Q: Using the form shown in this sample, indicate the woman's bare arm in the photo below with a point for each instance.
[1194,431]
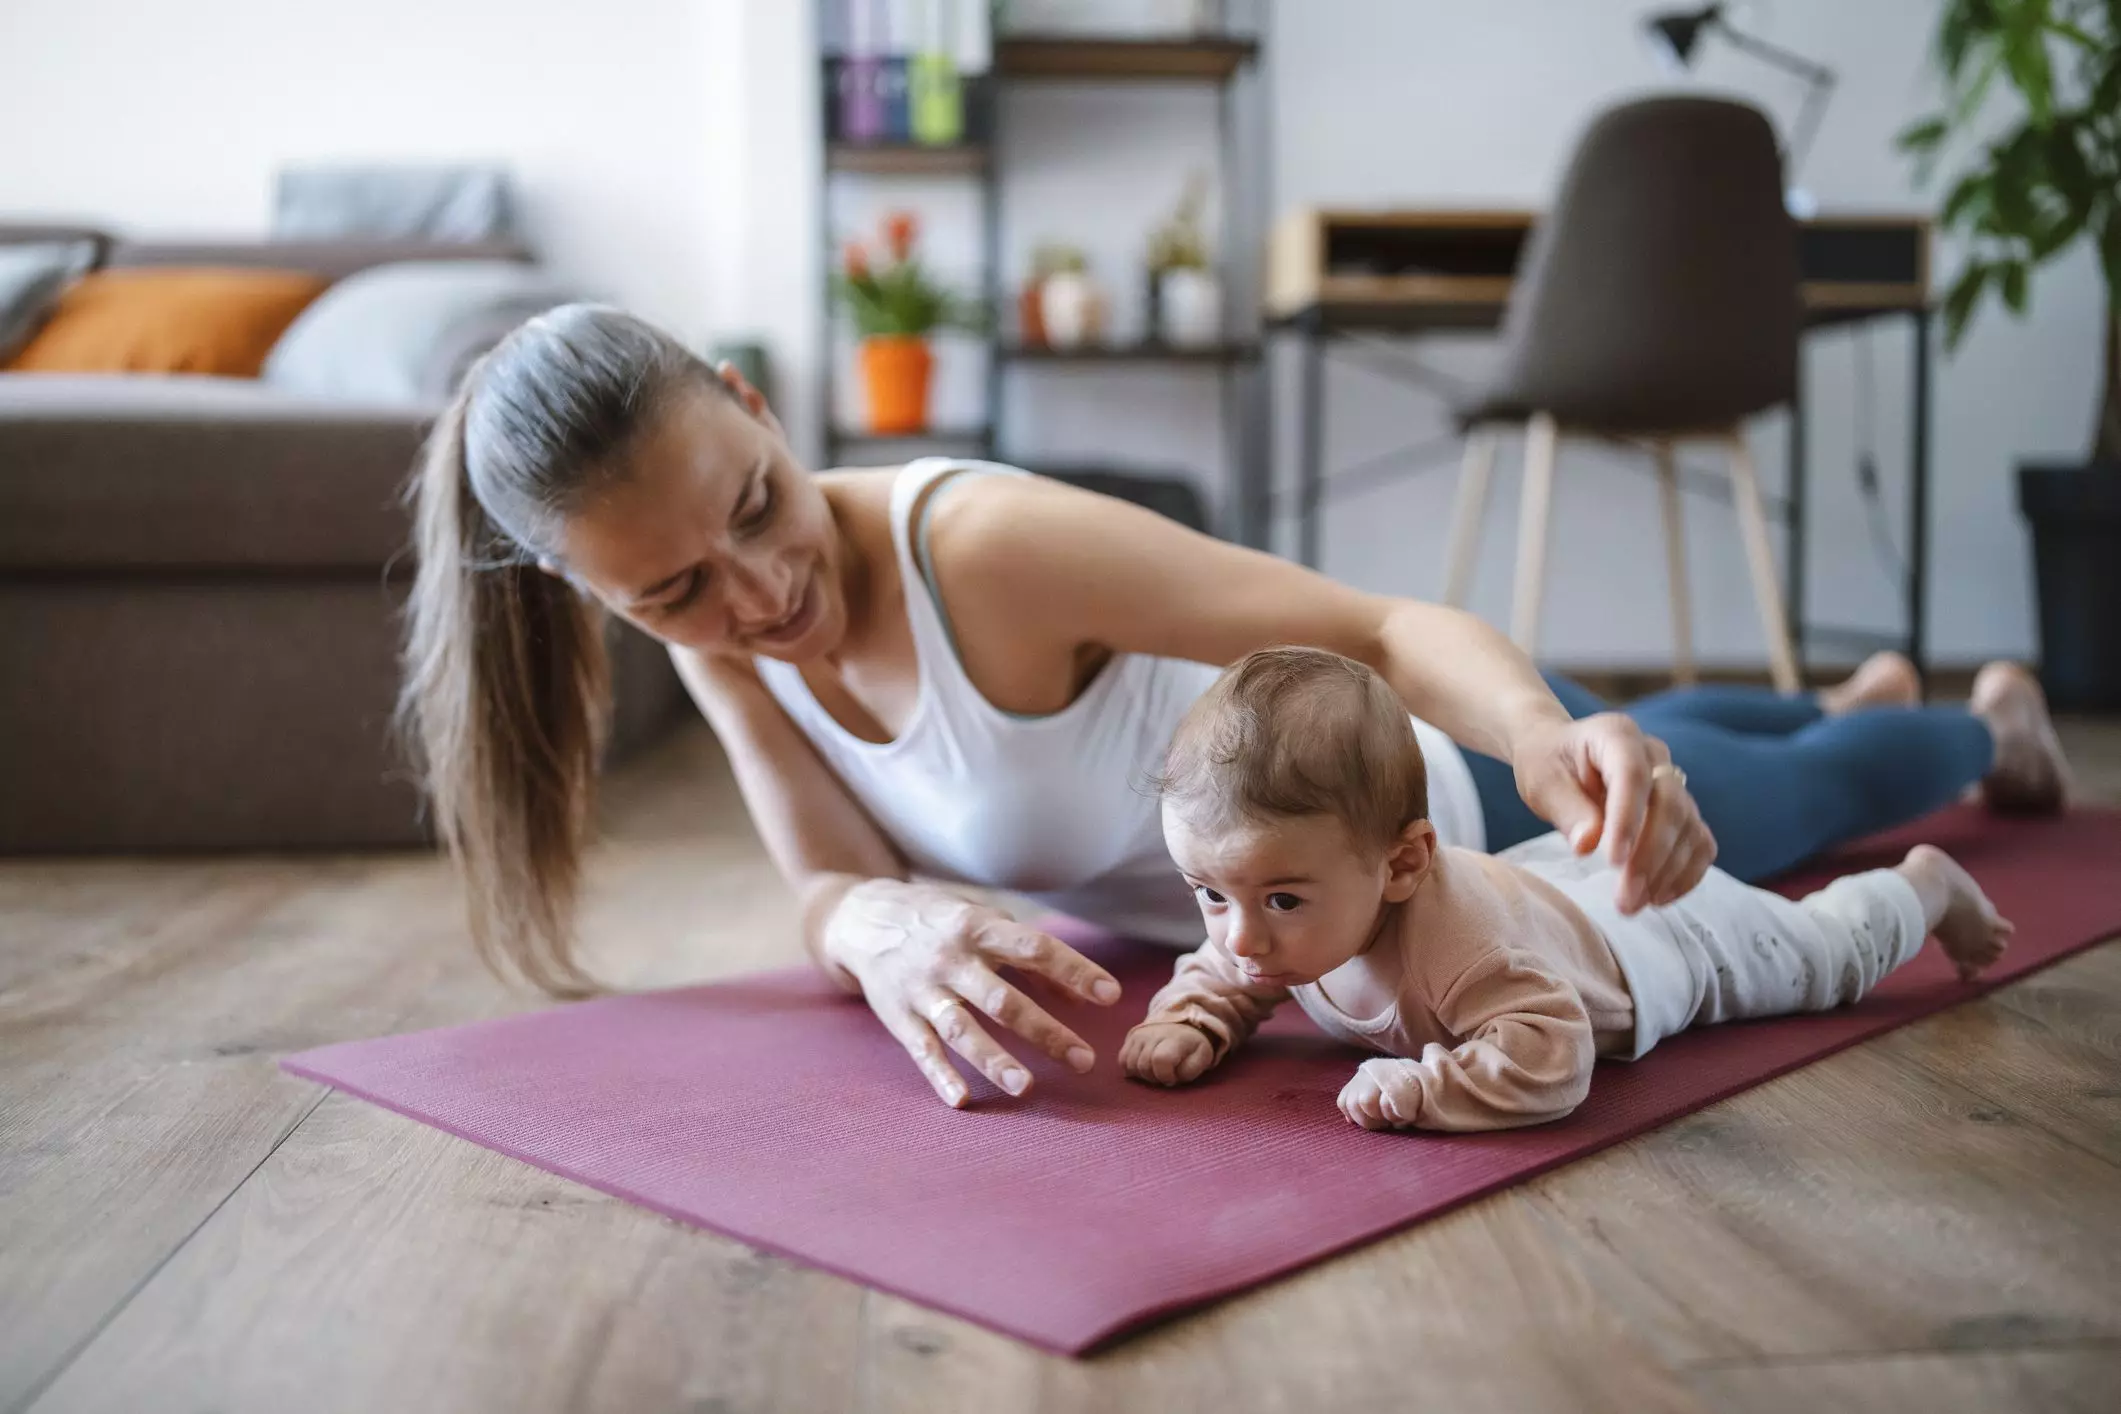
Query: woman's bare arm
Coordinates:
[1033,571]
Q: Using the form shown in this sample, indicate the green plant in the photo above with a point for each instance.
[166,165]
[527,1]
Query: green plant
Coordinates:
[898,296]
[1049,260]
[2046,181]
[1180,244]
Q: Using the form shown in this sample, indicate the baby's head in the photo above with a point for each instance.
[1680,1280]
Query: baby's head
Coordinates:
[1296,805]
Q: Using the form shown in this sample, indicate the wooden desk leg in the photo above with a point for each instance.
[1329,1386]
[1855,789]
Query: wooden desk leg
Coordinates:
[1539,452]
[1466,516]
[1752,523]
[1675,566]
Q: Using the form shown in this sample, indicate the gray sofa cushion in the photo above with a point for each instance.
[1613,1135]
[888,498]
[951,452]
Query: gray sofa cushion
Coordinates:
[32,277]
[397,202]
[406,332]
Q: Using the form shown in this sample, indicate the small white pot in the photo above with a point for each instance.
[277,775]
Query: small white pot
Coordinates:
[1072,309]
[1189,308]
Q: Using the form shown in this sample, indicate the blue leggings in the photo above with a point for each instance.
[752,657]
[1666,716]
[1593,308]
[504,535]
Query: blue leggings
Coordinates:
[1777,780]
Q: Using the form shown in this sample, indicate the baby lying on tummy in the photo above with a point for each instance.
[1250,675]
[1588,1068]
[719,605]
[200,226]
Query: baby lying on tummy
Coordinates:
[1294,802]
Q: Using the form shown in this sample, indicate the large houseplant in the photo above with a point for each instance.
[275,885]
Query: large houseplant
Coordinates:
[2026,191]
[896,306]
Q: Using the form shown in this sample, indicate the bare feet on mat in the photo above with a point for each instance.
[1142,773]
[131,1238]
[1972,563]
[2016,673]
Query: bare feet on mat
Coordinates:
[2030,775]
[1965,922]
[1884,680]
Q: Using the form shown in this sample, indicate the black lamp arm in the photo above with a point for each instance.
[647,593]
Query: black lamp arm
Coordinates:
[1818,76]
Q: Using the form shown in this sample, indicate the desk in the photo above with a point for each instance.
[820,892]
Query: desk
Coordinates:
[1338,273]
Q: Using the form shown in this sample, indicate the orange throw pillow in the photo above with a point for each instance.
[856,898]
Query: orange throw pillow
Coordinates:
[170,320]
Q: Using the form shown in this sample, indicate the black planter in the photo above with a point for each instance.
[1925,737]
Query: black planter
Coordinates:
[2075,514]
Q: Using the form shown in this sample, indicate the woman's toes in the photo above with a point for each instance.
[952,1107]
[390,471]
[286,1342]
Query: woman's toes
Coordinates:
[1884,680]
[2030,773]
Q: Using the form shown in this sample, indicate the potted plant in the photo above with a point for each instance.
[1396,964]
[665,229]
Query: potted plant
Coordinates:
[2027,193]
[1071,307]
[896,307]
[1185,301]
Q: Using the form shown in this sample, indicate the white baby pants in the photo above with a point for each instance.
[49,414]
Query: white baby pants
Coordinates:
[1728,950]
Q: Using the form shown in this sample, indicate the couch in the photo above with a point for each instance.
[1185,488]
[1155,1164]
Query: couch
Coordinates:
[200,584]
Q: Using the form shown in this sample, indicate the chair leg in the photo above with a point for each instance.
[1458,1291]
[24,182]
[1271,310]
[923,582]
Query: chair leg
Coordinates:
[1752,523]
[1675,567]
[1539,452]
[1466,516]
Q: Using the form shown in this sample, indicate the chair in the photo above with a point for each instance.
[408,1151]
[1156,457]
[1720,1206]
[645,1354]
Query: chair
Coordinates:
[1659,302]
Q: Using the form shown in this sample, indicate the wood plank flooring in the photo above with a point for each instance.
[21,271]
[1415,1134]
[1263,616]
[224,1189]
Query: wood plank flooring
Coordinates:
[1929,1221]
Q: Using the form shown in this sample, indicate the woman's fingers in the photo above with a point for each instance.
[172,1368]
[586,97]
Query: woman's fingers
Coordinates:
[919,1040]
[959,1029]
[1678,875]
[1003,939]
[1654,846]
[953,1021]
[979,984]
[1623,762]
[1693,866]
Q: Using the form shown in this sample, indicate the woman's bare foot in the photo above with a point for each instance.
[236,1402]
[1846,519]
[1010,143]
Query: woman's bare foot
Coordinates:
[2030,775]
[1884,680]
[1965,922]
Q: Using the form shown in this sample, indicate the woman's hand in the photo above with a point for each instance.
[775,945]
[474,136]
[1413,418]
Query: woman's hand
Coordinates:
[925,959]
[1167,1053]
[1599,779]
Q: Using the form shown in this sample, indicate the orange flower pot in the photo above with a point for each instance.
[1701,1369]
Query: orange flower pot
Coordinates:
[895,371]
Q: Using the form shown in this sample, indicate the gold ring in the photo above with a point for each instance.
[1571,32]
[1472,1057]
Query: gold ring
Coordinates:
[1668,772]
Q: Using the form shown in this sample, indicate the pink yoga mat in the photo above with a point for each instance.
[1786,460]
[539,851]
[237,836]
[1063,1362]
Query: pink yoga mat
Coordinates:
[776,1111]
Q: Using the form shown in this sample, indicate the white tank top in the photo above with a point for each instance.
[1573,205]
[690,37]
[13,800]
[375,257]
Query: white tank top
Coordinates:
[1058,807]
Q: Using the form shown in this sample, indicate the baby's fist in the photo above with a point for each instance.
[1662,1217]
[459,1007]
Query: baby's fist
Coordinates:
[1363,1101]
[1166,1052]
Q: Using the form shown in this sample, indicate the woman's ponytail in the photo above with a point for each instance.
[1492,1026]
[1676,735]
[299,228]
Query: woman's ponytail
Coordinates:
[504,706]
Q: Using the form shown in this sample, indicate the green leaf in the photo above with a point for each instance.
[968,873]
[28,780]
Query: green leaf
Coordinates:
[1968,104]
[2014,175]
[1923,136]
[1959,303]
[1970,200]
[2014,286]
[2076,36]
[2066,165]
[1957,29]
[2025,52]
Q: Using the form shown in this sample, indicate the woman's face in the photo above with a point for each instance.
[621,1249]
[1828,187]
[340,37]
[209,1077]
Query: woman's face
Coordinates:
[711,537]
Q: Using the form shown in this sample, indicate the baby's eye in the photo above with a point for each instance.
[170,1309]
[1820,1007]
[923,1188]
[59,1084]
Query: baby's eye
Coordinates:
[1208,895]
[1284,903]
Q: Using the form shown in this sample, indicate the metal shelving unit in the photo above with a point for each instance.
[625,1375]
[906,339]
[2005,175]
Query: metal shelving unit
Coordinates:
[1230,61]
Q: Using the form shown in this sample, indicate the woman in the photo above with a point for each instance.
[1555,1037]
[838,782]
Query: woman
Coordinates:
[963,672]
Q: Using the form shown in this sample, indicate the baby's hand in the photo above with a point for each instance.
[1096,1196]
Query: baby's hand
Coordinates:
[1166,1052]
[1363,1100]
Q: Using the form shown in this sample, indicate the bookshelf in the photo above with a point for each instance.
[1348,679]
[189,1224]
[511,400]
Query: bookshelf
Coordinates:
[1229,60]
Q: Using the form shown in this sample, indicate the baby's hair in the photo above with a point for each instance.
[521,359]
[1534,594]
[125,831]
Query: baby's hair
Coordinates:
[1298,731]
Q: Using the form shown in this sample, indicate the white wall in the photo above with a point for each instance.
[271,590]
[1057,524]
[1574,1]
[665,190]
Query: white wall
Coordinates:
[667,154]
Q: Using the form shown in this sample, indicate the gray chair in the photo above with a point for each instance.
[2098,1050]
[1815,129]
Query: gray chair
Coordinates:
[1659,302]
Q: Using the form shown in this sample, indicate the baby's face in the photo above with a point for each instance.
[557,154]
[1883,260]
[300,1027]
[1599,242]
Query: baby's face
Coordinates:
[1290,899]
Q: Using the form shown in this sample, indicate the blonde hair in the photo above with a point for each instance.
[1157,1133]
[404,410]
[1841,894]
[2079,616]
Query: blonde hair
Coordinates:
[1299,731]
[505,698]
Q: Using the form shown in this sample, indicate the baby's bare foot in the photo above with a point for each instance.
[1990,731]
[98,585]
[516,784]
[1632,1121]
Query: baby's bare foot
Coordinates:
[1884,680]
[1965,922]
[2030,775]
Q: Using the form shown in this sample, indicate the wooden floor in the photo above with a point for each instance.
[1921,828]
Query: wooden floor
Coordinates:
[1931,1221]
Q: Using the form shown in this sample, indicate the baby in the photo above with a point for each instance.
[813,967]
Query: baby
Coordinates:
[1294,802]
